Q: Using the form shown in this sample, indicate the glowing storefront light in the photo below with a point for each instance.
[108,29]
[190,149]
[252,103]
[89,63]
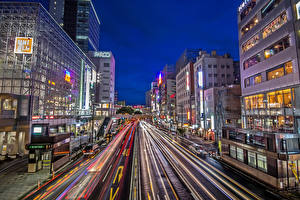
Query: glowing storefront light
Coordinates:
[187,81]
[67,76]
[200,79]
[160,79]
[23,45]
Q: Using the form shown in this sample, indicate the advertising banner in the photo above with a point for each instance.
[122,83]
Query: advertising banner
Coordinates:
[23,45]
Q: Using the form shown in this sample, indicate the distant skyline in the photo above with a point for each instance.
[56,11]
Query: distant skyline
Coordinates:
[144,36]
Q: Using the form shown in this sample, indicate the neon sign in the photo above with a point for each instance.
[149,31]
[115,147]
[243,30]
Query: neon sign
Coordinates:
[102,54]
[187,81]
[244,4]
[67,76]
[159,79]
[200,79]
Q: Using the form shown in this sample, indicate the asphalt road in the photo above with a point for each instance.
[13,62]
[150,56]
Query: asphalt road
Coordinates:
[172,171]
[90,178]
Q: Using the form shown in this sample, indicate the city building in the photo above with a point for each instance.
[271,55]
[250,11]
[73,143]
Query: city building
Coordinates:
[222,109]
[57,9]
[105,89]
[185,96]
[154,98]
[44,89]
[189,55]
[267,146]
[210,70]
[148,98]
[116,97]
[82,24]
[236,72]
[168,93]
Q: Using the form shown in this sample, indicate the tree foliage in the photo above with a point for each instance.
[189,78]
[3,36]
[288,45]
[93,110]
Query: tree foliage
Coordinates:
[138,112]
[125,110]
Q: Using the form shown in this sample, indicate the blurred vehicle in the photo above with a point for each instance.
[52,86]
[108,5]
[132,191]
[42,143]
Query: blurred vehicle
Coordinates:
[90,149]
[197,149]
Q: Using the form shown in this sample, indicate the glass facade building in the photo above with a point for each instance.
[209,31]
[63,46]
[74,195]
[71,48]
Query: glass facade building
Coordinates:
[44,77]
[82,24]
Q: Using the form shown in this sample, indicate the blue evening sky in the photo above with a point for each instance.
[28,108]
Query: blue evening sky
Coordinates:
[145,35]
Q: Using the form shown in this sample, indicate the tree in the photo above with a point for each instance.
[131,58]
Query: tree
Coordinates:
[125,110]
[138,112]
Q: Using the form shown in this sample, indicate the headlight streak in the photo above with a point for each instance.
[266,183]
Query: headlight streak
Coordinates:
[202,163]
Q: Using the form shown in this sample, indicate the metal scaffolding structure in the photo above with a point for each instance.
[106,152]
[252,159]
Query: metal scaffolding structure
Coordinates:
[40,76]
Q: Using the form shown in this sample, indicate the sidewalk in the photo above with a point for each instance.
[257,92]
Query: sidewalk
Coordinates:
[14,184]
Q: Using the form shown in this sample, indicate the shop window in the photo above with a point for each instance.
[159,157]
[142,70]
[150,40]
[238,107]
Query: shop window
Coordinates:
[249,26]
[288,67]
[269,7]
[240,154]
[287,98]
[250,43]
[254,102]
[274,25]
[280,71]
[253,80]
[247,9]
[262,162]
[275,73]
[232,151]
[252,61]
[277,47]
[252,159]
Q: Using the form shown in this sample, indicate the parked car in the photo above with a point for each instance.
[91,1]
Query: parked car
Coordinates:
[90,149]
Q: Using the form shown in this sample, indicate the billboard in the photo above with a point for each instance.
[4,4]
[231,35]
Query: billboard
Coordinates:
[23,45]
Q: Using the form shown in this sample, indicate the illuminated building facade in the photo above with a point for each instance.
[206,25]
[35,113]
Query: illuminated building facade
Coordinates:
[105,89]
[185,96]
[210,70]
[267,146]
[46,81]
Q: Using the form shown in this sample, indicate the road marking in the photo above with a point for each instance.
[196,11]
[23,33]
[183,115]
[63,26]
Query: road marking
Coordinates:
[111,196]
[106,173]
[120,169]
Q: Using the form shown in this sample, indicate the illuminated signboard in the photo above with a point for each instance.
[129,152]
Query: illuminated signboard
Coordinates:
[102,54]
[159,79]
[23,45]
[187,81]
[298,10]
[200,79]
[244,4]
[67,76]
[38,130]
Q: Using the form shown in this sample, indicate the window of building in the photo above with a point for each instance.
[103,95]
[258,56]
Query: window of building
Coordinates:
[277,47]
[274,25]
[223,75]
[262,162]
[252,61]
[269,7]
[250,43]
[209,66]
[222,66]
[215,75]
[215,66]
[280,71]
[249,26]
[254,102]
[227,66]
[209,75]
[247,9]
[228,75]
[240,154]
[252,159]
[232,151]
[253,80]
[106,65]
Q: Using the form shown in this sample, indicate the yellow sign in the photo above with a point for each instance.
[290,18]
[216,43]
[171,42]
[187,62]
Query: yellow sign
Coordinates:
[294,170]
[23,45]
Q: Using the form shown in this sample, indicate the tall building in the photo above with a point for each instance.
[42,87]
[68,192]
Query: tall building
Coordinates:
[45,84]
[82,24]
[210,70]
[189,55]
[44,3]
[148,98]
[168,92]
[105,89]
[57,9]
[185,96]
[268,145]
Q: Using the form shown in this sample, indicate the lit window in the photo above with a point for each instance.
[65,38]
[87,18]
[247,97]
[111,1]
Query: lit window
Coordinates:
[288,67]
[249,26]
[232,151]
[279,72]
[275,25]
[240,154]
[250,43]
[251,159]
[262,162]
[277,47]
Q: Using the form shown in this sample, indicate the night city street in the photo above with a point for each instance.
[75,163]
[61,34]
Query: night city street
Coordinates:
[149,100]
